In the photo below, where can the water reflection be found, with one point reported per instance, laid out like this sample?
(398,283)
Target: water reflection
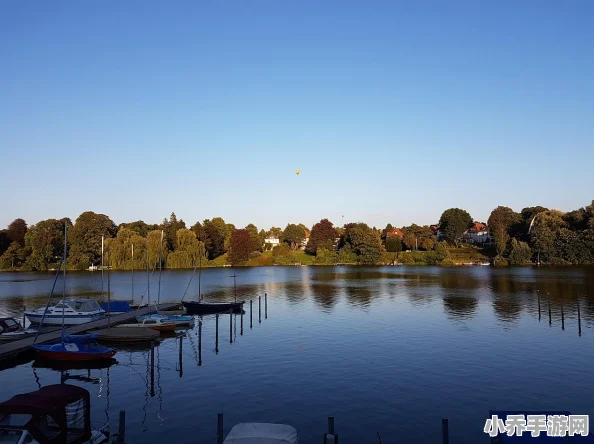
(459,306)
(359,296)
(325,295)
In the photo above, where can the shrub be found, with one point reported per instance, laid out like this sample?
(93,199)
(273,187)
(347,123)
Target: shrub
(500,262)
(447,262)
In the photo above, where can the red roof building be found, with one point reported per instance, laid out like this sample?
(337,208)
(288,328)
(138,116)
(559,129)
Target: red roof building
(396,232)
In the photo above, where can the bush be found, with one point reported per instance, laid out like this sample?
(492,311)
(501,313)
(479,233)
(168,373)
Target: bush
(500,262)
(447,262)
(325,257)
(558,261)
(520,253)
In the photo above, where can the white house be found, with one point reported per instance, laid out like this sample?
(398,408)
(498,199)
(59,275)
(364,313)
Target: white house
(274,241)
(477,234)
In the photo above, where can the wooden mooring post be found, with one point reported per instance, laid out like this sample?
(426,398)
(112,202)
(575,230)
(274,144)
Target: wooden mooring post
(579,318)
(181,362)
(445,431)
(220,428)
(122,428)
(217,334)
(230,326)
(265,306)
(549,298)
(562,316)
(251,324)
(199,342)
(330,437)
(241,323)
(152,369)
(259,309)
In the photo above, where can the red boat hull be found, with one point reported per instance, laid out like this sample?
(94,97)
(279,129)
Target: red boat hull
(79,356)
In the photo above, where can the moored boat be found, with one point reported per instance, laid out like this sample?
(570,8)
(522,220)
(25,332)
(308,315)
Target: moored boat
(58,413)
(179,320)
(132,335)
(67,312)
(203,308)
(155,324)
(254,432)
(75,348)
(11,330)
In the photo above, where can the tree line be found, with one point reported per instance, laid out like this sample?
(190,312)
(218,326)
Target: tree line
(535,234)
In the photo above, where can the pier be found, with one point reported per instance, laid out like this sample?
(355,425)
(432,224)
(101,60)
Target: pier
(11,349)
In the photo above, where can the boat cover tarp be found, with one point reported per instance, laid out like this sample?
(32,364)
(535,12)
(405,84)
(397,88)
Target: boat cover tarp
(85,339)
(116,306)
(64,404)
(84,305)
(262,433)
(527,437)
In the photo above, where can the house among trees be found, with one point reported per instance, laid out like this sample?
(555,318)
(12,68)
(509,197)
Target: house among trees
(303,245)
(396,232)
(272,240)
(477,234)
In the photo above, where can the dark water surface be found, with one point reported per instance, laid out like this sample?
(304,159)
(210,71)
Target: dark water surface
(390,349)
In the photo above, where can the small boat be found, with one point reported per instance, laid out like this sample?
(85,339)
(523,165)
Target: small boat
(134,335)
(253,432)
(485,263)
(203,308)
(155,324)
(11,330)
(116,307)
(57,413)
(179,320)
(75,348)
(72,312)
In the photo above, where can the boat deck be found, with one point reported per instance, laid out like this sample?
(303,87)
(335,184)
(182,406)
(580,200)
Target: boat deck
(13,348)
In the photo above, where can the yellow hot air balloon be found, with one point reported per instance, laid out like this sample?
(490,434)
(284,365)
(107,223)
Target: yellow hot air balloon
(297,172)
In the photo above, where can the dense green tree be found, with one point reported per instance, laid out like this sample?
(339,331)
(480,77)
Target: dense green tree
(453,223)
(46,242)
(385,231)
(85,238)
(520,252)
(155,245)
(326,257)
(240,247)
(215,231)
(323,235)
(4,241)
(365,242)
(16,231)
(257,237)
(345,255)
(528,214)
(12,257)
(275,232)
(282,255)
(501,221)
(139,227)
(393,244)
(118,250)
(189,253)
(570,246)
(418,237)
(170,228)
(293,235)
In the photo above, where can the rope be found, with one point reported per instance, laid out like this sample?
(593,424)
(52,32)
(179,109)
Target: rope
(49,299)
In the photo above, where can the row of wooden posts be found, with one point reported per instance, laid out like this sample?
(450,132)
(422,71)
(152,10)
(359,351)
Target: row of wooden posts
(562,313)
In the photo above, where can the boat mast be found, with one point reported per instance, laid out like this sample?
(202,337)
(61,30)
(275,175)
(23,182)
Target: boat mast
(64,279)
(101,267)
(148,276)
(199,276)
(132,273)
(160,269)
(109,292)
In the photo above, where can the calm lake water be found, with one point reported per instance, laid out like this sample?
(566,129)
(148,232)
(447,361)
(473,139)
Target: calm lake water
(389,350)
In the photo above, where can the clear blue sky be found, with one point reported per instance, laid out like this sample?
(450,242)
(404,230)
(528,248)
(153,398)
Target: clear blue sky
(393,111)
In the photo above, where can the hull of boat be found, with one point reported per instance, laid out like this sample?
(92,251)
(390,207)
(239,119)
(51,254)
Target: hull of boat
(164,328)
(178,320)
(7,337)
(60,354)
(54,319)
(201,308)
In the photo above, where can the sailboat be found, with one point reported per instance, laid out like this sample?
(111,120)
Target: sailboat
(178,320)
(202,308)
(71,347)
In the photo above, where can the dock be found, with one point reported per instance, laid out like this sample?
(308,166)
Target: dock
(11,349)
